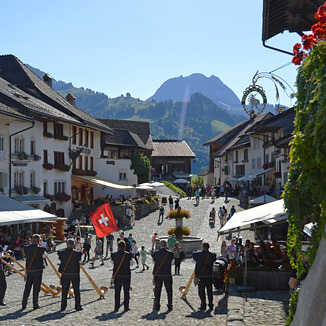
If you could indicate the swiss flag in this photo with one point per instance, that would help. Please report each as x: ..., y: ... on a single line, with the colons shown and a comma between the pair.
x: 103, y: 221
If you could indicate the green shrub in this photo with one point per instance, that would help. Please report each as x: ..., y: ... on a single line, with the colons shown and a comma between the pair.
x: 174, y: 188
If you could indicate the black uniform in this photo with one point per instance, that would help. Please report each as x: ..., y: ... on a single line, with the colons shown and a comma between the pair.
x: 163, y: 276
x: 122, y: 278
x: 71, y: 274
x: 3, y: 283
x: 34, y: 276
x: 205, y: 275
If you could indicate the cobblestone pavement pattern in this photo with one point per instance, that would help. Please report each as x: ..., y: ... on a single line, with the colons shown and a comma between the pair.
x: 269, y: 311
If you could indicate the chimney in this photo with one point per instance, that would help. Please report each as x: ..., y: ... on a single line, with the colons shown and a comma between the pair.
x: 47, y: 80
x: 71, y: 99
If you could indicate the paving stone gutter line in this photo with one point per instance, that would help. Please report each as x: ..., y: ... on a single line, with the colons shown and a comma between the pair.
x: 235, y: 310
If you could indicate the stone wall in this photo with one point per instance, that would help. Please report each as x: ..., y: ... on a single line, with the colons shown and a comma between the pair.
x: 269, y: 280
x: 311, y: 304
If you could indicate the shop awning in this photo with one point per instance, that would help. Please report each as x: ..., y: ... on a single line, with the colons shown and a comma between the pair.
x: 101, y: 182
x: 254, y: 175
x: 269, y: 213
x: 15, y: 212
x: 182, y: 175
x: 264, y: 199
x: 32, y: 199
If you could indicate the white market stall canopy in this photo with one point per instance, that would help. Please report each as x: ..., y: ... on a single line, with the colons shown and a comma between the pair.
x: 101, y: 182
x: 181, y: 181
x: 262, y: 200
x: 307, y: 229
x: 269, y: 213
x: 15, y: 212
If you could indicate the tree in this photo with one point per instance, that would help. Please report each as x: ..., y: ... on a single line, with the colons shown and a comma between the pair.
x: 142, y: 167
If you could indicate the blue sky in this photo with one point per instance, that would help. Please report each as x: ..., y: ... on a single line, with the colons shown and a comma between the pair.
x: 134, y: 46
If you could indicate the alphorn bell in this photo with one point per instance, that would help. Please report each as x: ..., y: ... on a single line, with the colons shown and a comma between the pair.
x: 23, y: 275
x: 71, y: 291
x: 101, y: 291
x: 52, y: 291
x: 184, y: 289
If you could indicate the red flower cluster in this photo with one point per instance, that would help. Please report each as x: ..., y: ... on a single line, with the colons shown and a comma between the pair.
x: 308, y: 41
x: 84, y: 172
x: 62, y: 196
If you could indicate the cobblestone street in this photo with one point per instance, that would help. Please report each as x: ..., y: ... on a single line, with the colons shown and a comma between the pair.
x: 255, y: 308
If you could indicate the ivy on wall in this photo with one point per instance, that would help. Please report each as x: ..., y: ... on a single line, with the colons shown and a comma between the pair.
x: 305, y: 191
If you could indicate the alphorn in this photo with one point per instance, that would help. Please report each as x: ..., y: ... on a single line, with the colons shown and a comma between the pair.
x: 184, y: 289
x: 71, y: 291
x: 101, y: 291
x: 23, y: 275
x: 52, y: 291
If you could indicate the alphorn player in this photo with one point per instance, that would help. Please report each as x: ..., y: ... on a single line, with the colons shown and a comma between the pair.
x: 204, y: 273
x: 162, y: 274
x: 121, y: 275
x: 34, y: 269
x: 70, y: 262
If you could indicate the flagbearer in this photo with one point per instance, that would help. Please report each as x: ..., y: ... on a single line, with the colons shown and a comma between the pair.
x: 121, y: 275
x: 70, y: 262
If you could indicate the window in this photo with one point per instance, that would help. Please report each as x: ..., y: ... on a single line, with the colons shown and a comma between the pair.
x: 21, y: 145
x: 32, y: 147
x: 285, y: 177
x: 86, y: 162
x: 45, y: 188
x: 59, y: 187
x: 245, y: 155
x: 240, y: 170
x: 45, y: 127
x: 92, y: 139
x: 74, y: 164
x: 86, y: 138
x: 81, y: 162
x: 32, y: 179
x: 19, y: 179
x: 2, y: 152
x: 258, y: 163
x: 256, y: 143
x: 226, y: 158
x: 122, y: 176
x: 227, y: 170
x: 267, y: 158
x: 57, y: 128
x: 45, y: 156
x: 253, y: 163
x: 80, y: 137
x: 16, y: 146
x: 74, y: 135
x: 59, y: 158
x: 92, y: 164
x: 236, y: 156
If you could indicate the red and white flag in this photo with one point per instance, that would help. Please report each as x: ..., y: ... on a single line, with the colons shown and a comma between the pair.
x: 103, y: 221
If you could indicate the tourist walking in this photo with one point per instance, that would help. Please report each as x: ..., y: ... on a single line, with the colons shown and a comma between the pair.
x: 34, y: 270
x: 98, y: 251
x: 221, y: 214
x: 212, y: 216
x: 171, y: 203
x: 143, y: 257
x: 232, y: 251
x: 161, y: 214
x: 171, y: 241
x: 134, y: 252
x: 70, y: 262
x: 153, y: 240
x: 224, y: 252
x: 203, y: 274
x: 162, y: 274
x: 109, y: 244
x: 121, y: 275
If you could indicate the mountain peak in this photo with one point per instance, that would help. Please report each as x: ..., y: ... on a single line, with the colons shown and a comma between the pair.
x: 181, y: 88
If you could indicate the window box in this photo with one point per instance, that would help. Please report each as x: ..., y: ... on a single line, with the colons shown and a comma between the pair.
x: 22, y: 156
x: 51, y: 197
x: 47, y: 134
x: 84, y: 172
x: 60, y: 137
x: 62, y: 196
x: 62, y: 167
x: 36, y: 190
x: 277, y: 174
x: 47, y: 166
x: 21, y: 190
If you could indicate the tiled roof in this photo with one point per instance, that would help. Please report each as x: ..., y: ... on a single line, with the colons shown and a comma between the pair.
x: 138, y: 130
x: 15, y: 72
x: 240, y: 136
x: 11, y: 111
x: 121, y: 138
x: 203, y: 173
x: 171, y: 148
x: 12, y: 95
